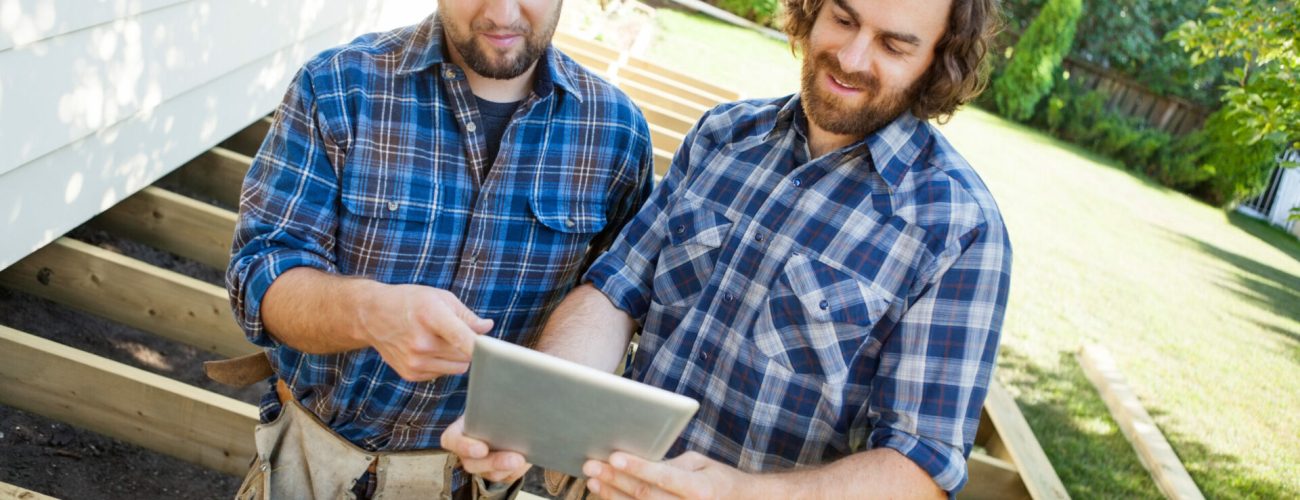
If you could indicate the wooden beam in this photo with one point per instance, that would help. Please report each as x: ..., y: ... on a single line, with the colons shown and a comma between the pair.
x: 218, y: 173
x: 665, y: 139
x: 641, y: 93
x: 126, y: 403
x: 670, y: 86
x: 11, y: 492
x: 171, y: 222
x: 1152, y: 448
x: 568, y: 42
x: 663, y: 160
x: 1015, y: 441
x: 670, y: 120
x: 249, y: 140
x: 991, y: 478
x: 724, y: 93
x: 131, y: 292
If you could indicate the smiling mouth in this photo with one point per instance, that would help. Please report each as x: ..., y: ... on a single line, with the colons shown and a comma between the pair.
x: 842, y: 84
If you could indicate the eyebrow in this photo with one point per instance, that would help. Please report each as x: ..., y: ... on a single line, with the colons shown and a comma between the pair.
x: 907, y: 38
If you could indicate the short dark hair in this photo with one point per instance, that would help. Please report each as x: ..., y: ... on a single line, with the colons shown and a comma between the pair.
x: 957, y: 74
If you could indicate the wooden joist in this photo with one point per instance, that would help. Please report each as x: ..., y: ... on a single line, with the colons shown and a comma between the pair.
x: 669, y: 86
x: 169, y: 221
x: 665, y: 139
x: 217, y: 174
x: 642, y: 95
x: 993, y: 479
x: 1153, y: 450
x: 1013, y: 441
x: 11, y: 492
x: 249, y: 139
x: 131, y: 292
x: 126, y: 403
x: 727, y: 95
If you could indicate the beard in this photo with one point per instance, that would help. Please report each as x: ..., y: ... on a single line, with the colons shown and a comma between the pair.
x: 838, y: 116
x: 500, y: 64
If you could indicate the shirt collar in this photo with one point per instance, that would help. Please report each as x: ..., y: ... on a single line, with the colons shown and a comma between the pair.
x: 893, y: 148
x: 424, y: 50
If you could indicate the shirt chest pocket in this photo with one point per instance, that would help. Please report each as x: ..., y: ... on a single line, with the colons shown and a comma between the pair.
x: 388, y: 219
x: 818, y: 316
x: 686, y: 262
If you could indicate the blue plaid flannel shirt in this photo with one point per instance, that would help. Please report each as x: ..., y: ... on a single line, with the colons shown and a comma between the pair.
x: 816, y: 307
x: 374, y: 168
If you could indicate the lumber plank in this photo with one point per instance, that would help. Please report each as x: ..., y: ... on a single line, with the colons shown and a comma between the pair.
x: 9, y: 491
x: 171, y: 222
x: 1014, y: 441
x: 1152, y: 448
x: 249, y: 139
x: 663, y: 160
x: 724, y: 93
x: 218, y: 174
x: 665, y: 139
x: 569, y: 41
x: 131, y: 292
x: 641, y: 93
x: 126, y: 403
x: 670, y: 86
x: 670, y: 120
x: 991, y: 478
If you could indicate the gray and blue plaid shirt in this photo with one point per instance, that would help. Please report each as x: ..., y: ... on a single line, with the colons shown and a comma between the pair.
x: 375, y: 168
x: 816, y: 307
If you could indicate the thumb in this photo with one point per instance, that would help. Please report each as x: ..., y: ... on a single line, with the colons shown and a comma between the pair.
x: 479, y: 325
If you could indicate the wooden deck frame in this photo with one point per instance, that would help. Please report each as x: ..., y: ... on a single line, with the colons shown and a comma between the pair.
x: 130, y: 292
x: 217, y: 174
x: 168, y: 221
x: 12, y: 492
x: 249, y: 139
x: 125, y: 402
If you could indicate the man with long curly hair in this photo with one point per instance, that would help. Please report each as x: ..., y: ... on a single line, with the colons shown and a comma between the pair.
x: 822, y: 271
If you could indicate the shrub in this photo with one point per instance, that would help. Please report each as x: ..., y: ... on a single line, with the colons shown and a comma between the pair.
x: 760, y: 11
x: 1030, y: 74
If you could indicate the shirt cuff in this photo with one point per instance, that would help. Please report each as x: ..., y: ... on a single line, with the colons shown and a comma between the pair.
x: 257, y: 280
x: 945, y: 465
x: 605, y: 274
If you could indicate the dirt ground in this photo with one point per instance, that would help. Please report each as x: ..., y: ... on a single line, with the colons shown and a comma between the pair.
x: 57, y: 459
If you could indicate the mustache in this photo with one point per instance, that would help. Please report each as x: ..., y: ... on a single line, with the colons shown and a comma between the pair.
x: 856, y: 80
x: 521, y: 28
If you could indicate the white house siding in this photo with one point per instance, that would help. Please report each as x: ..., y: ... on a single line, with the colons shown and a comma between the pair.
x: 1288, y: 196
x: 100, y: 98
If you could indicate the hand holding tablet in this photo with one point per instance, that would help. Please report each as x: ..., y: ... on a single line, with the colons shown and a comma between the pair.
x: 558, y: 413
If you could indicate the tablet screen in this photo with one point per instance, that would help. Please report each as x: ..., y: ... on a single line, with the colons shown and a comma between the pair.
x: 558, y: 413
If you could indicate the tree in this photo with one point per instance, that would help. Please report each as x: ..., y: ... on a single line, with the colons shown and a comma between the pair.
x: 1030, y: 74
x: 1260, y: 113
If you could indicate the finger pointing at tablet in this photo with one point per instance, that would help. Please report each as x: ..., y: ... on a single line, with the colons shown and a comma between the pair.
x: 477, y: 458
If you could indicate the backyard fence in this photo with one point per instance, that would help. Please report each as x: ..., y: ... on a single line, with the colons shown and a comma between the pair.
x: 1125, y: 96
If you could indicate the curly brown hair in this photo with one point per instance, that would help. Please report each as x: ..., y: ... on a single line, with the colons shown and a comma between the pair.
x: 958, y: 72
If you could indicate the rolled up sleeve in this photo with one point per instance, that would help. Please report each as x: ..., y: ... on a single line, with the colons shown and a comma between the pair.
x: 935, y: 368
x: 288, y: 208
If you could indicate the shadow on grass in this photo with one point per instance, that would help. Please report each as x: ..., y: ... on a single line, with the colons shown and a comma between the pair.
x: 1268, y: 233
x: 1074, y: 428
x: 1267, y: 287
x: 1091, y: 454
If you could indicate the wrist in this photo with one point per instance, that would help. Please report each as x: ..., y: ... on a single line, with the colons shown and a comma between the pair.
x: 363, y: 308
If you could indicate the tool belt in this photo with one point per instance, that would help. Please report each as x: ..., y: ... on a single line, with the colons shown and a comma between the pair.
x: 298, y: 456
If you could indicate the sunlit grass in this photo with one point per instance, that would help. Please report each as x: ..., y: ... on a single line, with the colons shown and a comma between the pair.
x: 1200, y: 308
x: 737, y: 58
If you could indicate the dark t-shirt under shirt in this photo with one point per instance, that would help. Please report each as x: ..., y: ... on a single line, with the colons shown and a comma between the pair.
x: 496, y: 115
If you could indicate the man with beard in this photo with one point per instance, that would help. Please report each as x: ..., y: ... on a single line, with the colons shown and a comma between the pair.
x: 823, y: 272
x: 418, y: 188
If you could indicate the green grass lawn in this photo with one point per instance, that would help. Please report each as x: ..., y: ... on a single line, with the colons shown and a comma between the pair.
x: 1200, y: 308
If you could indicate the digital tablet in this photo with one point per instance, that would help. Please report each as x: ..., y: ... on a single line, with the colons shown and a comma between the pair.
x: 558, y: 413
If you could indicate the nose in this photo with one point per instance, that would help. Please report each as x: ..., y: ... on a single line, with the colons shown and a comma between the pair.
x: 502, y: 13
x: 856, y: 56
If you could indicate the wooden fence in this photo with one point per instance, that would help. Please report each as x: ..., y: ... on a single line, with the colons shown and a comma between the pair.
x: 1125, y: 96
